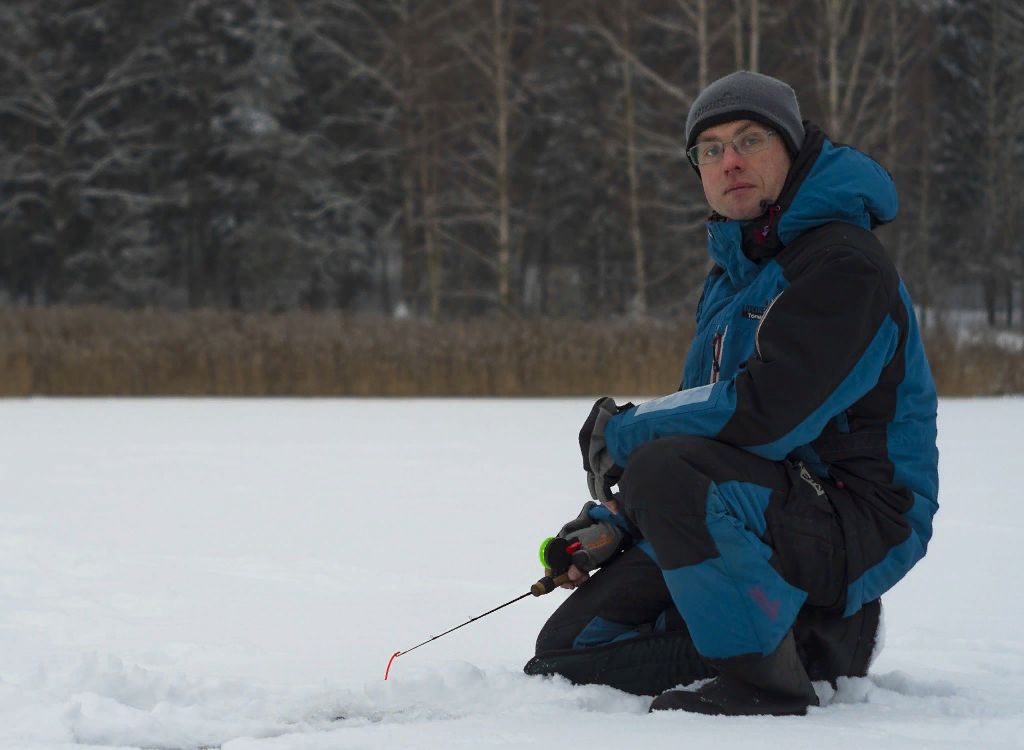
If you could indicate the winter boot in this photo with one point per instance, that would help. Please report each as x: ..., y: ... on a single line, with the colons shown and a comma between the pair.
x: 833, y: 646
x: 773, y: 685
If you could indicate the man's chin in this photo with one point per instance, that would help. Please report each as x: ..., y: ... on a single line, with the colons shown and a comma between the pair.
x: 741, y: 207
x: 742, y: 214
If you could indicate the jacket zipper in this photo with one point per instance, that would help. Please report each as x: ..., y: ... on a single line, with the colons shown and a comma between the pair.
x: 717, y: 345
x: 763, y: 234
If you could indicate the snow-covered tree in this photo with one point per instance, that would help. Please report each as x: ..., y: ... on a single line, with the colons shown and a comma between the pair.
x: 76, y: 149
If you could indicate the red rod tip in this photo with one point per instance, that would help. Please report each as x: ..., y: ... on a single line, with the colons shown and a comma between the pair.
x: 389, y: 663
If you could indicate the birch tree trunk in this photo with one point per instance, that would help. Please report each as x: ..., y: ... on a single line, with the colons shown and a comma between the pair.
x: 737, y: 37
x: 636, y: 238
x: 992, y: 150
x: 409, y: 253
x: 486, y: 166
x: 755, y: 35
x: 702, y: 44
x: 833, y: 30
x: 898, y: 247
x: 428, y: 188
x: 924, y: 232
x: 502, y: 44
x: 847, y: 58
x: 894, y: 86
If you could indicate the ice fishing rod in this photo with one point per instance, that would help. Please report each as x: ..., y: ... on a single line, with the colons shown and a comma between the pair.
x: 555, y: 556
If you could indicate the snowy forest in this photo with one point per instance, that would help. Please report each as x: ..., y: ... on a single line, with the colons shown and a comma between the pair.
x: 473, y: 158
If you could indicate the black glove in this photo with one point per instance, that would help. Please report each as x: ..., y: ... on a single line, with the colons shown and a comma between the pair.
x: 598, y: 542
x: 602, y: 471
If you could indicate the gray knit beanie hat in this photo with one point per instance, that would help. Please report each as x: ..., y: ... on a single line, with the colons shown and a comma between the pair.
x: 748, y: 96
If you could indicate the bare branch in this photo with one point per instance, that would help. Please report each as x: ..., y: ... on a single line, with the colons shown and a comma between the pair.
x: 672, y: 90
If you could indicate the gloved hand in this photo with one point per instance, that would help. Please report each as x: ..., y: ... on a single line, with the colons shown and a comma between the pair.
x: 598, y: 541
x: 602, y: 471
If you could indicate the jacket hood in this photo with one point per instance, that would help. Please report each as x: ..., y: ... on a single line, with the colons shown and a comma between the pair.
x: 827, y: 182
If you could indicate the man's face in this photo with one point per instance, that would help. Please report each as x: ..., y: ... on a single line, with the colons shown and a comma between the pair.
x: 736, y: 186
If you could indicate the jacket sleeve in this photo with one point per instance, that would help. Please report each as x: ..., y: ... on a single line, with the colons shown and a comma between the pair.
x: 820, y: 347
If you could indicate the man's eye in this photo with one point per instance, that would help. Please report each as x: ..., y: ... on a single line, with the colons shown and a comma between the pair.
x: 712, y: 151
x: 752, y: 140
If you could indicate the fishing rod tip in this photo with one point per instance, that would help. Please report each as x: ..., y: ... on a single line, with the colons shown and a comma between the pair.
x: 386, y: 671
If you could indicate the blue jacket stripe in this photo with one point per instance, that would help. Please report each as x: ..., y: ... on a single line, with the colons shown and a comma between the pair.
x: 647, y: 549
x: 601, y: 513
x: 696, y: 411
x: 735, y: 603
x: 743, y: 500
x: 600, y: 631
x: 911, y: 447
x: 901, y: 558
x: 911, y: 439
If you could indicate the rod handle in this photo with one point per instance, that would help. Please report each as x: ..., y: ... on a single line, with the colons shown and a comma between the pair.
x: 547, y: 584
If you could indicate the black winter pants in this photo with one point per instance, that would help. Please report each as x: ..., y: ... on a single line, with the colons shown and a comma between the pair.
x: 738, y: 545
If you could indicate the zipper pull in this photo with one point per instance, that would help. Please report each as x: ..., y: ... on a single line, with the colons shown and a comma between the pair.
x: 717, y: 344
x: 763, y: 234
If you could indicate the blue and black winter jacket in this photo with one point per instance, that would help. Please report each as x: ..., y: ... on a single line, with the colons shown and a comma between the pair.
x: 807, y: 348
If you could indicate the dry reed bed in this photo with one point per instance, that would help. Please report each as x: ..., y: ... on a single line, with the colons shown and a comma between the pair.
x: 93, y: 351
x: 98, y: 351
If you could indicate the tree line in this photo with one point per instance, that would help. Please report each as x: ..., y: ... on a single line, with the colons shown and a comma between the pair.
x: 468, y: 158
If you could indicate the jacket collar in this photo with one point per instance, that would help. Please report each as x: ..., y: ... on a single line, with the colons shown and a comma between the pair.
x: 825, y: 183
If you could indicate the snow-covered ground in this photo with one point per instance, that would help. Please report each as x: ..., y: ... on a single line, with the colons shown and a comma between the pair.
x: 236, y: 573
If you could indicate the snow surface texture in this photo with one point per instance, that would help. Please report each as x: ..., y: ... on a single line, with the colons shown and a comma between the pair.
x: 236, y: 574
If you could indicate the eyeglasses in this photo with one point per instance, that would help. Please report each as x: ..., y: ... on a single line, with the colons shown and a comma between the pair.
x: 711, y: 152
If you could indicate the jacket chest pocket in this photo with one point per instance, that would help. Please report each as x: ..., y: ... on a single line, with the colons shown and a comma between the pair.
x: 718, y: 351
x: 730, y: 345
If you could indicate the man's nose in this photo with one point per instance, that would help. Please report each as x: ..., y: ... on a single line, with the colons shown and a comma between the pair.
x: 731, y: 159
